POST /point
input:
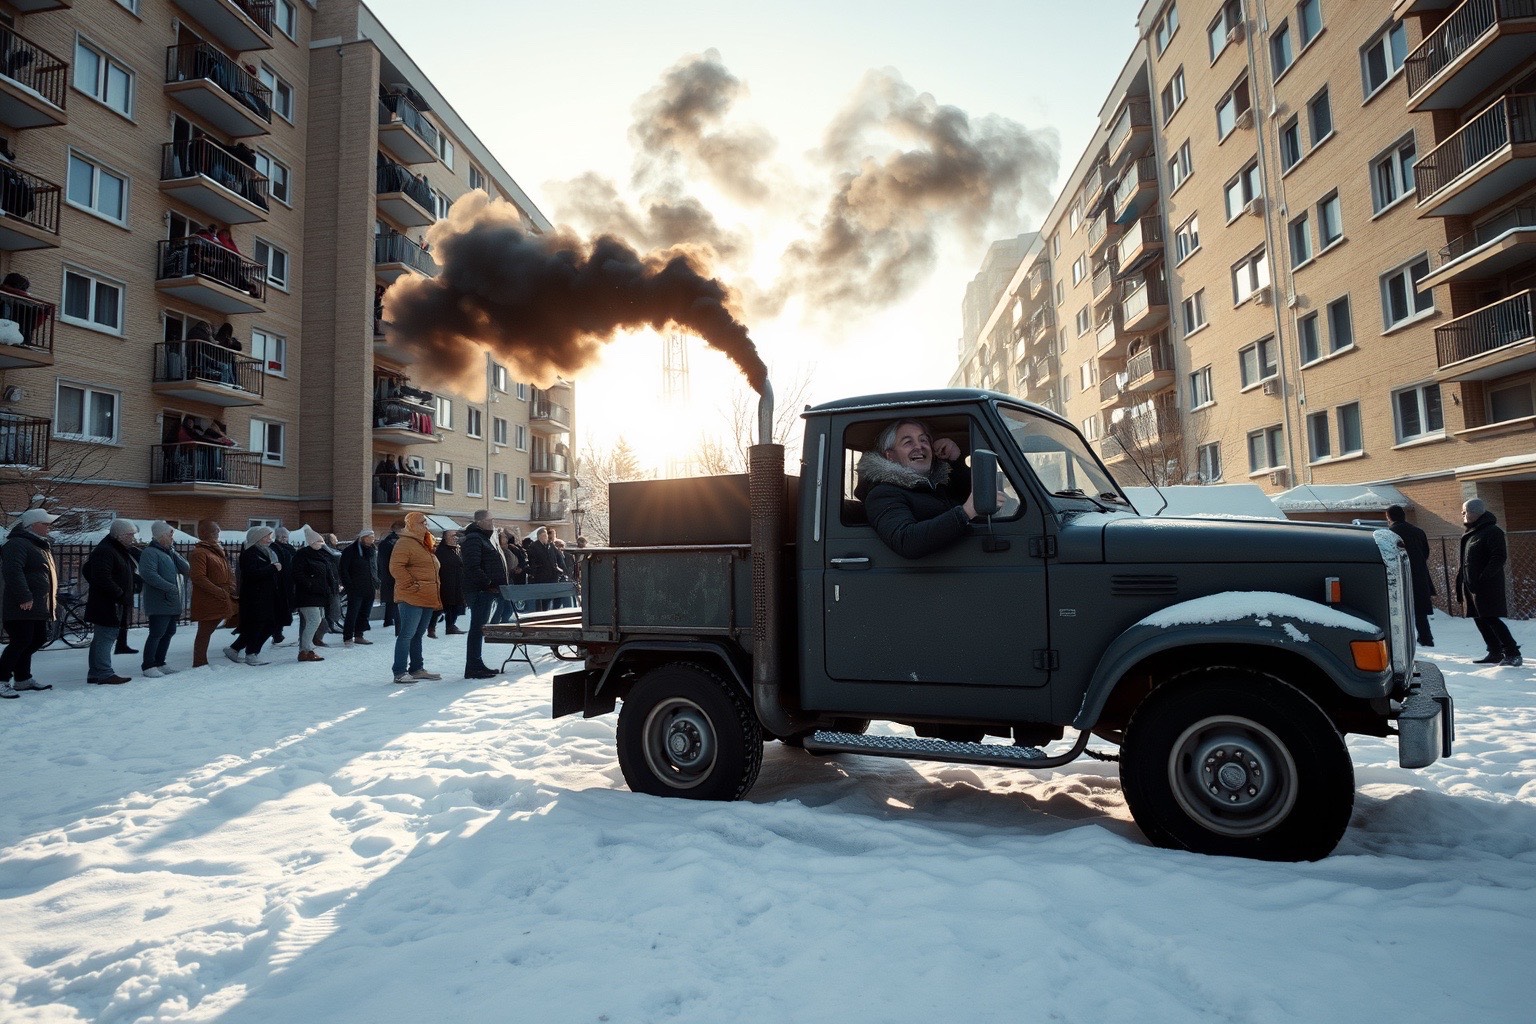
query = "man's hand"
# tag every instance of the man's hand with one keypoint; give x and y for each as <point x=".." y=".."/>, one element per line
<point x="946" y="449"/>
<point x="26" y="606"/>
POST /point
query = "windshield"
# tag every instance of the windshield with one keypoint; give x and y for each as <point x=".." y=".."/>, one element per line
<point x="1061" y="460"/>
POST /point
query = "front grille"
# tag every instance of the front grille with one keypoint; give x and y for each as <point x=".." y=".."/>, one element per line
<point x="1146" y="585"/>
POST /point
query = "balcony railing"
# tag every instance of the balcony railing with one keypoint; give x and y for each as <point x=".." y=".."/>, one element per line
<point x="1142" y="234"/>
<point x="194" y="256"/>
<point x="548" y="511"/>
<point x="393" y="177"/>
<point x="206" y="158"/>
<point x="1038" y="277"/>
<point x="1137" y="114"/>
<point x="31" y="199"/>
<point x="1103" y="278"/>
<point x="259" y="11"/>
<point x="1519" y="217"/>
<point x="544" y="409"/>
<point x="199" y="60"/>
<point x="24" y="441"/>
<point x="197" y="462"/>
<point x="1142" y="172"/>
<point x="210" y="363"/>
<point x="1138" y="295"/>
<point x="1511" y="119"/>
<point x="1153" y="359"/>
<point x="404" y="489"/>
<point x="1094" y="183"/>
<point x="26" y="63"/>
<point x="1097" y="229"/>
<point x="1457" y="34"/>
<point x="1111" y="387"/>
<point x="397" y="108"/>
<point x="393" y="247"/>
<point x="1507" y="322"/>
<point x="33" y="318"/>
<point x="546" y="462"/>
<point x="393" y="414"/>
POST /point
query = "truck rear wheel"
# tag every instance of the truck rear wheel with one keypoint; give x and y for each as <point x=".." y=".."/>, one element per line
<point x="1237" y="764"/>
<point x="684" y="731"/>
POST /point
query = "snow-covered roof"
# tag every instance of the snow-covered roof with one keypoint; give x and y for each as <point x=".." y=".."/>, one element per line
<point x="140" y="534"/>
<point x="1507" y="462"/>
<point x="1340" y="498"/>
<point x="1246" y="500"/>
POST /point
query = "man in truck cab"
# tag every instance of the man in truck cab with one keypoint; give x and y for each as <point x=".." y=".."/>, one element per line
<point x="916" y="491"/>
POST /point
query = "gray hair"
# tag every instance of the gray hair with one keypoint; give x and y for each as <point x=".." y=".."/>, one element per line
<point x="161" y="528"/>
<point x="887" y="439"/>
<point x="282" y="534"/>
<point x="482" y="515"/>
<point x="120" y="528"/>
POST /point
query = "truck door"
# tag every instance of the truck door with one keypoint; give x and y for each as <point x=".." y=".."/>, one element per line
<point x="973" y="614"/>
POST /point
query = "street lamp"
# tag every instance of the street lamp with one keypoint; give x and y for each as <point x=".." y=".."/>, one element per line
<point x="578" y="516"/>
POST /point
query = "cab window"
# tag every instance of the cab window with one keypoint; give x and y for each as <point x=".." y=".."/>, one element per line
<point x="861" y="438"/>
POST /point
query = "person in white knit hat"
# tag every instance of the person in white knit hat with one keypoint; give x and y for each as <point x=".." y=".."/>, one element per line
<point x="315" y="582"/>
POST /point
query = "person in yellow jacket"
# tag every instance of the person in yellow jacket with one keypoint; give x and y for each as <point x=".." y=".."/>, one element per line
<point x="414" y="570"/>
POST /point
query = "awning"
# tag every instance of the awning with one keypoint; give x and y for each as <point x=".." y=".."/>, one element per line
<point x="440" y="524"/>
<point x="1340" y="498"/>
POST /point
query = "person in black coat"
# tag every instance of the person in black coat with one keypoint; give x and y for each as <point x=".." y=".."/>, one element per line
<point x="360" y="579"/>
<point x="31" y="599"/>
<point x="109" y="572"/>
<point x="485" y="573"/>
<point x="1480" y="582"/>
<point x="1417" y="545"/>
<point x="915" y="490"/>
<point x="450" y="581"/>
<point x="387" y="581"/>
<point x="260" y="587"/>
<point x="285" y="606"/>
<point x="315" y="580"/>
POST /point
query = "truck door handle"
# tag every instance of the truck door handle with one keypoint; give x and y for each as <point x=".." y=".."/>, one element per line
<point x="860" y="562"/>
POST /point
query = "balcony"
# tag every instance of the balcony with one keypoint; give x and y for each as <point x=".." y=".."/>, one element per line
<point x="548" y="416"/>
<point x="1491" y="249"/>
<point x="1479" y="43"/>
<point x="1143" y="303"/>
<point x="548" y="511"/>
<point x="1136" y="190"/>
<point x="41" y="6"/>
<point x="201" y="371"/>
<point x="1096" y="187"/>
<point x="1104" y="280"/>
<point x="405" y="132"/>
<point x="206" y="274"/>
<point x="403" y="197"/>
<point x="1141" y="243"/>
<point x="33" y="83"/>
<point x="1110" y="334"/>
<point x="1489" y="156"/>
<point x="403" y="414"/>
<point x="30" y="208"/>
<point x="386" y="346"/>
<point x="1100" y="231"/>
<point x="547" y="466"/>
<point x="403" y="490"/>
<point x="229" y="98"/>
<point x="1040" y="373"/>
<point x="1041" y="323"/>
<point x="1112" y="390"/>
<point x="214" y="181"/>
<point x="196" y="467"/>
<point x="1131" y="133"/>
<point x="24" y="443"/>
<point x="237" y="25"/>
<point x="395" y="256"/>
<point x="1039" y="277"/>
<point x="31" y="344"/>
<point x="1150" y="368"/>
<point x="1494" y="341"/>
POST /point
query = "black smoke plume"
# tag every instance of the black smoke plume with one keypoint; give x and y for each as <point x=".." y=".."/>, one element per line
<point x="546" y="304"/>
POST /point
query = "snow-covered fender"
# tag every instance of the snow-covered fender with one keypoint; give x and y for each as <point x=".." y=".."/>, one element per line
<point x="1312" y="631"/>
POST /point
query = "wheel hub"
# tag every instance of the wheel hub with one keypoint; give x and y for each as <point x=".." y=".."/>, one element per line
<point x="1233" y="775"/>
<point x="679" y="743"/>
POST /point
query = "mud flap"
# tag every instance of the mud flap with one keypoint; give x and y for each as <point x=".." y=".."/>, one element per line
<point x="571" y="692"/>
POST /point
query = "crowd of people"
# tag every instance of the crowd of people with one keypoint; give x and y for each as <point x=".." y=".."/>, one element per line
<point x="306" y="582"/>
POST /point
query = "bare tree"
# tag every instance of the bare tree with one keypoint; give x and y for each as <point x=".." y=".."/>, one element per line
<point x="718" y="455"/>
<point x="72" y="486"/>
<point x="595" y="470"/>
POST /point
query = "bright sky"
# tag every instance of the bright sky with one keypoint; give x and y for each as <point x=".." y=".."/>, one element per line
<point x="550" y="88"/>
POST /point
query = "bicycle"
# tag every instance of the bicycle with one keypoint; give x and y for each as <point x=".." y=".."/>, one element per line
<point x="70" y="625"/>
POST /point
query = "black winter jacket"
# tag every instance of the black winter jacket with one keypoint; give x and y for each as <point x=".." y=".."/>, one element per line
<point x="259" y="611"/>
<point x="1480" y="580"/>
<point x="30" y="575"/>
<point x="914" y="514"/>
<point x="386" y="547"/>
<point x="315" y="579"/>
<point x="109" y="570"/>
<point x="1417" y="545"/>
<point x="484" y="568"/>
<point x="450" y="576"/>
<point x="359" y="568"/>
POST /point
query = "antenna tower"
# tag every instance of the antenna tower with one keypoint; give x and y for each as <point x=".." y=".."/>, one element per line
<point x="674" y="391"/>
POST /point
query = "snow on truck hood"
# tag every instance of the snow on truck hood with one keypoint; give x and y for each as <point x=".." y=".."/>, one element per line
<point x="1264" y="605"/>
<point x="1143" y="539"/>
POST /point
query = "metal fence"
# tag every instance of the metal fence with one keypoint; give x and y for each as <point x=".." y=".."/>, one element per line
<point x="1519" y="573"/>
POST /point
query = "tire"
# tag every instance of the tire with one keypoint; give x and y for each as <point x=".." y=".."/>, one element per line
<point x="686" y="732"/>
<point x="74" y="630"/>
<point x="1290" y="796"/>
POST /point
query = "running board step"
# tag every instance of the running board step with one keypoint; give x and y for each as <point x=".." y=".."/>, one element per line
<point x="913" y="749"/>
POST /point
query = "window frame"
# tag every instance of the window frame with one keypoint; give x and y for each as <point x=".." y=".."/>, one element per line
<point x="1341" y="422"/>
<point x="1319" y="430"/>
<point x="1165" y="28"/>
<point x="1209" y="455"/>
<point x="265" y="448"/>
<point x="473" y="489"/>
<point x="96" y="280"/>
<point x="273" y="163"/>
<point x="97" y="169"/>
<point x="1399" y="173"/>
<point x="1332" y="202"/>
<point x="1255" y="266"/>
<point x="1228" y="18"/>
<point x="266" y="359"/>
<point x="522" y="491"/>
<point x="442" y="476"/>
<point x="442" y="413"/>
<point x="1181" y="166"/>
<point x="291" y="30"/>
<point x="1289" y="136"/>
<point x="281" y="87"/>
<point x="106" y="63"/>
<point x="499" y="486"/>
<point x="1383" y="40"/>
<point x="1186" y="239"/>
<point x="1319" y="97"/>
<point x="1422" y="410"/>
<point x="1266" y="363"/>
<point x="1250" y="185"/>
<point x="1193" y="304"/>
<point x="1349" y="325"/>
<point x="1173" y="94"/>
<point x="1301" y="23"/>
<point x="474" y="422"/>
<point x="1298" y="234"/>
<point x="86" y="391"/>
<point x="1202" y="388"/>
<point x="1272" y="438"/>
<point x="1411" y="294"/>
<point x="1281" y="35"/>
<point x="1240" y="92"/>
<point x="282" y="283"/>
<point x="1308" y="329"/>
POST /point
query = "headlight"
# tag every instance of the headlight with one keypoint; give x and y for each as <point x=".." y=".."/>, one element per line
<point x="1399" y="597"/>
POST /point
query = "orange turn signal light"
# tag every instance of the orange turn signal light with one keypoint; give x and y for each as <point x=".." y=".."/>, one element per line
<point x="1370" y="655"/>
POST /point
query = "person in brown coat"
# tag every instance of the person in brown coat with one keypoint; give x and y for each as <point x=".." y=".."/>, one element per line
<point x="213" y="588"/>
<point x="418" y="594"/>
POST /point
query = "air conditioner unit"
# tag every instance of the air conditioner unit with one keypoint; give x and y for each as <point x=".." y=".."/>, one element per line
<point x="1272" y="388"/>
<point x="1245" y="119"/>
<point x="1280" y="477"/>
<point x="1236" y="33"/>
<point x="1255" y="206"/>
<point x="1263" y="296"/>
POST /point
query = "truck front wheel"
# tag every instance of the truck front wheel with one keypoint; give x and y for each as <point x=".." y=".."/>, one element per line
<point x="1237" y="764"/>
<point x="684" y="731"/>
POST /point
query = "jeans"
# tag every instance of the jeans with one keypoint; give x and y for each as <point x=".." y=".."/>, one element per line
<point x="27" y="637"/>
<point x="161" y="629"/>
<point x="309" y="619"/>
<point x="411" y="625"/>
<point x="103" y="640"/>
<point x="359" y="605"/>
<point x="479" y="614"/>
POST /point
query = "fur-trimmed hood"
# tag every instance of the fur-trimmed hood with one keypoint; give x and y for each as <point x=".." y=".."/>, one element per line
<point x="875" y="468"/>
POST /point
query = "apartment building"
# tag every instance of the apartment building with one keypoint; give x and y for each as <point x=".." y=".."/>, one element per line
<point x="1257" y="277"/>
<point x="307" y="134"/>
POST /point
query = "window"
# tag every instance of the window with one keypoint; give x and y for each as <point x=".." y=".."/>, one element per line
<point x="102" y="78"/>
<point x="272" y="350"/>
<point x="1200" y="391"/>
<point x="1180" y="166"/>
<point x="1382" y="57"/>
<point x="444" y="148"/>
<point x="498" y="430"/>
<point x="520" y="435"/>
<point x="1088" y="374"/>
<point x="278" y="175"/>
<point x="1061" y="292"/>
<point x="1225" y="28"/>
<point x="1351" y="437"/>
<point x="499" y="485"/>
<point x="1166" y="26"/>
<point x="1309" y="21"/>
<point x="1330" y="220"/>
<point x="275" y="260"/>
<point x="1173" y="94"/>
<point x="1210" y="462"/>
<point x="1257" y="362"/>
<point x="1075" y="218"/>
<point x="1290" y="144"/>
<point x="1417" y="412"/>
<point x="1401" y="299"/>
<point x="1266" y="449"/>
<point x="1056" y="245"/>
<point x="474" y="482"/>
<point x="1511" y="402"/>
<point x="477" y="178"/>
<point x="1249" y="275"/>
<point x="522" y="490"/>
<point x="282" y="92"/>
<point x="1193" y="309"/>
<point x="1233" y="106"/>
<point x="133" y="5"/>
<point x="1309" y="341"/>
<point x="1186" y="240"/>
<point x="1301" y="241"/>
<point x="1090" y="428"/>
<point x="287" y="18"/>
<point x="444" y="477"/>
<point x="499" y="378"/>
<point x="1341" y="331"/>
<point x="85" y="414"/>
<point x="441" y="204"/>
<point x="1079" y="269"/>
<point x="97" y="190"/>
<point x="1280" y="53"/>
<point x="270" y="439"/>
<point x="1392" y="175"/>
<point x="472" y="423"/>
<point x="1242" y="190"/>
<point x="1318" y="443"/>
<point x="91" y="301"/>
<point x="1320" y="117"/>
<point x="444" y="418"/>
<point x="1084" y="321"/>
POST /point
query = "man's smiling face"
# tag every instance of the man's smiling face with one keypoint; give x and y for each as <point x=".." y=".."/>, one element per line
<point x="912" y="448"/>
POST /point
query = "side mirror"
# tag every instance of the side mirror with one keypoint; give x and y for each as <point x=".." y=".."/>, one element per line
<point x="984" y="482"/>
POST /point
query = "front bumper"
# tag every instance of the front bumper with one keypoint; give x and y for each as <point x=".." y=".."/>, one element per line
<point x="1426" y="722"/>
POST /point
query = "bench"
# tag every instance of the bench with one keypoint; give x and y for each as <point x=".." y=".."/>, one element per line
<point x="515" y="594"/>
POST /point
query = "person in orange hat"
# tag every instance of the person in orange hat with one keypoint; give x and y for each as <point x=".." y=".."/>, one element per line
<point x="417" y="594"/>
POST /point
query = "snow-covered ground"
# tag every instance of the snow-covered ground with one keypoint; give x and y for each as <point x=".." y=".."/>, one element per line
<point x="312" y="843"/>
